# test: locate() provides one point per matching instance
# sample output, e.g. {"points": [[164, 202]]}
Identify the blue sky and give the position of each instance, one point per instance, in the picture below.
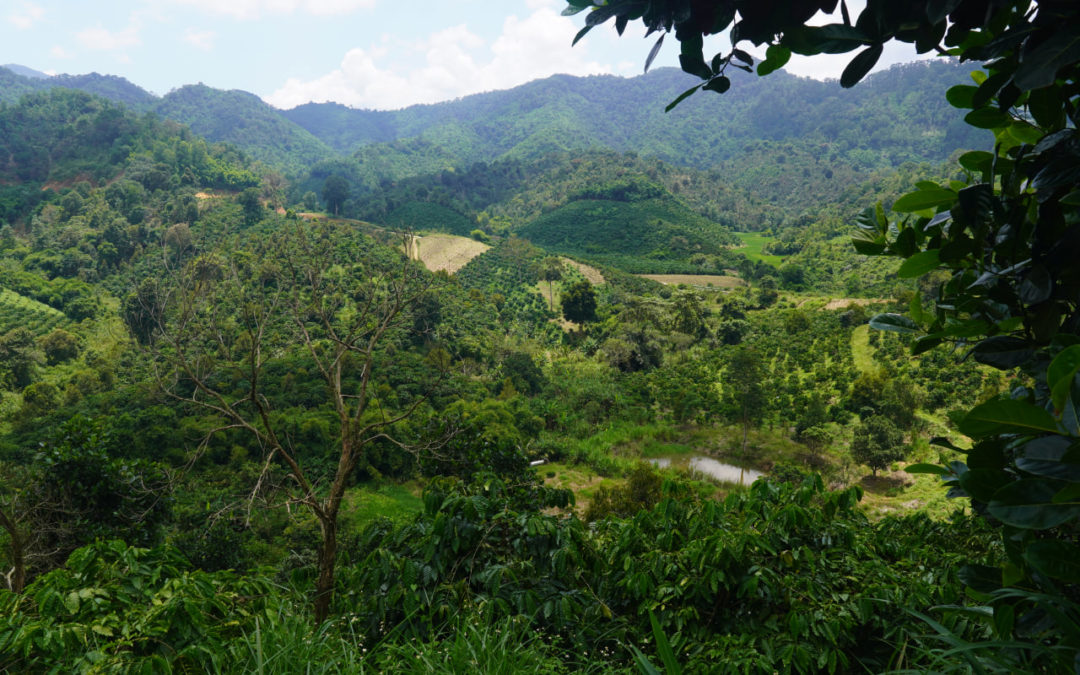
{"points": [[381, 54]]}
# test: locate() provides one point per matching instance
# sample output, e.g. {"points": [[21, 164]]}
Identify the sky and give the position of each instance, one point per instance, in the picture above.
{"points": [[378, 54]]}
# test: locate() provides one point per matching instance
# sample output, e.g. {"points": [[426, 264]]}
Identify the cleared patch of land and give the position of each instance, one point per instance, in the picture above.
{"points": [[840, 303], [591, 273], [753, 243], [702, 280], [445, 252]]}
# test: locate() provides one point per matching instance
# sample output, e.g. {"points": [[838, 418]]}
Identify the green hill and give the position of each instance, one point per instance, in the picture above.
{"points": [[245, 121], [655, 234]]}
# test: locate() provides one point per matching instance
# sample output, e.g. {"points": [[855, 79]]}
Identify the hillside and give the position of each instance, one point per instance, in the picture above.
{"points": [[16, 81], [901, 110], [245, 121]]}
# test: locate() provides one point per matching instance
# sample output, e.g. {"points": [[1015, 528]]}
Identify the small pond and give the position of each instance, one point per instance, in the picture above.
{"points": [[727, 473]]}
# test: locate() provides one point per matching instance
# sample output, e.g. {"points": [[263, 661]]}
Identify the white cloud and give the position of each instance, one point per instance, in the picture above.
{"points": [[455, 62], [26, 15], [202, 39], [106, 40], [250, 9], [59, 52]]}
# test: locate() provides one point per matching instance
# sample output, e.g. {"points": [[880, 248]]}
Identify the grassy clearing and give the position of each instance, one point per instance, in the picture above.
{"points": [[698, 280], [591, 273], [860, 349], [897, 492], [363, 505], [753, 243]]}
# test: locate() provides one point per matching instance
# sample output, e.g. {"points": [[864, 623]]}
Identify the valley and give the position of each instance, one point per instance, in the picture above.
{"points": [[537, 380]]}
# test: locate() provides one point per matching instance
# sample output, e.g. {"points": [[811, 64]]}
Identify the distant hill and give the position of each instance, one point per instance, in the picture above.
{"points": [[647, 235], [17, 81], [246, 121], [896, 115], [25, 72]]}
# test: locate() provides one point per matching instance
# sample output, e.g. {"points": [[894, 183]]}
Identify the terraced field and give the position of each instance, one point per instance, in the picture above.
{"points": [[20, 311]]}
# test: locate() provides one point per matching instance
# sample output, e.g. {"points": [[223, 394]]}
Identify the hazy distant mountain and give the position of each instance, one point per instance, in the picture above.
{"points": [[25, 72], [15, 81], [902, 109]]}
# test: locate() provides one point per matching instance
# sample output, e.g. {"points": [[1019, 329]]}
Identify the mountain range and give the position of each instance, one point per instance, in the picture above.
{"points": [[894, 116]]}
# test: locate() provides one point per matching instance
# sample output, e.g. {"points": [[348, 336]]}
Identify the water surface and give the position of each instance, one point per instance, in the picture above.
{"points": [[728, 473]]}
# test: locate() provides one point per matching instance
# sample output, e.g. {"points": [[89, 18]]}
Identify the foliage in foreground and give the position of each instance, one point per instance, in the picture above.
{"points": [[782, 576]]}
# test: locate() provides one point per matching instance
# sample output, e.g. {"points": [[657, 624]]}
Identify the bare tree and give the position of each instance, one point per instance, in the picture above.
{"points": [[304, 291]]}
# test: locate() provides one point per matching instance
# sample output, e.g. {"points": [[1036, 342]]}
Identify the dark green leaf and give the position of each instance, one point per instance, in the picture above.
{"points": [[1039, 67], [681, 98], [742, 56], [924, 199], [926, 343], [1060, 374], [981, 484], [1028, 504], [978, 161], [580, 34], [860, 66], [943, 442], [776, 57], [1036, 286], [695, 65], [654, 51], [1056, 559], [927, 468], [894, 322], [1046, 107], [1003, 352], [1006, 416], [982, 578], [718, 84], [960, 96], [987, 118], [919, 264]]}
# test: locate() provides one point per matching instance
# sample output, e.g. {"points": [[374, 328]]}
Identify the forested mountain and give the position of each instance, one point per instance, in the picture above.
{"points": [[245, 121], [15, 83], [895, 116]]}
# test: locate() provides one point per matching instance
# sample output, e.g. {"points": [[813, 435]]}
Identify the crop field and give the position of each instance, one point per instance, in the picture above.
{"points": [[700, 280], [446, 251], [753, 242], [20, 311]]}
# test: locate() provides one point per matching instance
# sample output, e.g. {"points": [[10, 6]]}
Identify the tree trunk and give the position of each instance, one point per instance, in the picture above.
{"points": [[324, 585], [17, 577]]}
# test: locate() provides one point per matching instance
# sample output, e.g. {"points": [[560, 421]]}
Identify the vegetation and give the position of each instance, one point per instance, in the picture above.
{"points": [[241, 439]]}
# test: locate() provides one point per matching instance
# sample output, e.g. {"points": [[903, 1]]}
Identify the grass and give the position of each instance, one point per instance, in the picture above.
{"points": [[364, 505], [753, 243], [697, 280], [861, 351]]}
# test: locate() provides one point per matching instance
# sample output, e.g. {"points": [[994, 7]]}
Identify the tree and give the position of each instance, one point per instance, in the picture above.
{"points": [[744, 389], [877, 443], [551, 270], [1005, 232], [579, 302], [59, 346], [302, 292], [73, 492], [251, 201], [335, 192]]}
